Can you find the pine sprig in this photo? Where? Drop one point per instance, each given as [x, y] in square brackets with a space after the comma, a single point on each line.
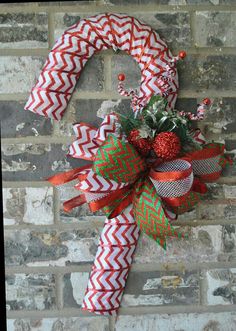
[128, 123]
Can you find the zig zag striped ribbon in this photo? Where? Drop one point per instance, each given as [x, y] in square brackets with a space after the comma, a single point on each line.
[53, 89]
[134, 196]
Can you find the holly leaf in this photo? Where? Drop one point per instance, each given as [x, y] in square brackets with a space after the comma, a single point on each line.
[158, 102]
[128, 123]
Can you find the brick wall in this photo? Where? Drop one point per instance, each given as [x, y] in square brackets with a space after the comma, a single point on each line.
[49, 253]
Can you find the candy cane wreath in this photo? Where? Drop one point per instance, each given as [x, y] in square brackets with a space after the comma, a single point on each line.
[141, 175]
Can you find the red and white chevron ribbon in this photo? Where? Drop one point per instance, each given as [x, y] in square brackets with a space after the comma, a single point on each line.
[198, 137]
[90, 138]
[51, 93]
[50, 97]
[120, 234]
[112, 263]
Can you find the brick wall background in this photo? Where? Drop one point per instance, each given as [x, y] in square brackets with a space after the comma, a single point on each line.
[49, 254]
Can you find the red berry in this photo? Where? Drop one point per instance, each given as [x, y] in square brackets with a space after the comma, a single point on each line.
[166, 145]
[142, 145]
[121, 77]
[206, 101]
[182, 54]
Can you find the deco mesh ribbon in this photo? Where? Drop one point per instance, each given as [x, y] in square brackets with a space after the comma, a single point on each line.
[135, 196]
[52, 92]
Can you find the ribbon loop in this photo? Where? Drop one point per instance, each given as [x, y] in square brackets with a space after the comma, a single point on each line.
[118, 161]
[206, 162]
[173, 178]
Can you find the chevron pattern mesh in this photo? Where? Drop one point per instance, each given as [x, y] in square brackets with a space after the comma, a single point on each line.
[52, 92]
[50, 97]
[112, 262]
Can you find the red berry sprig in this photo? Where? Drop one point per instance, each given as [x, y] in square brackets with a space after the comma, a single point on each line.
[206, 101]
[121, 77]
[182, 54]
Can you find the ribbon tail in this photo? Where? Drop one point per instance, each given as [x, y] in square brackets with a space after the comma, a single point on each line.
[160, 240]
[150, 215]
[74, 202]
[225, 160]
[122, 205]
[67, 176]
[109, 200]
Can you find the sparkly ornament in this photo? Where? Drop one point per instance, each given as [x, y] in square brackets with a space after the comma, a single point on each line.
[166, 145]
[143, 145]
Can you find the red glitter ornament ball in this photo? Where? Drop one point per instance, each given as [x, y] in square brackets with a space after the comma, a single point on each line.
[142, 145]
[166, 145]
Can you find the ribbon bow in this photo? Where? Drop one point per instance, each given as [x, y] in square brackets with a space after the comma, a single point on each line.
[119, 176]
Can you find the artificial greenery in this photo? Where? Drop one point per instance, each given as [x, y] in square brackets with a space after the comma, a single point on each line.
[156, 118]
[128, 123]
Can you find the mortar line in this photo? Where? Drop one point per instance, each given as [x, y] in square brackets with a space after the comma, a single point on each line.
[38, 140]
[21, 184]
[228, 136]
[192, 28]
[59, 139]
[112, 322]
[56, 206]
[143, 310]
[188, 309]
[203, 287]
[59, 291]
[80, 225]
[95, 221]
[56, 130]
[51, 27]
[56, 270]
[24, 52]
[114, 95]
[51, 41]
[107, 73]
[136, 267]
[117, 8]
